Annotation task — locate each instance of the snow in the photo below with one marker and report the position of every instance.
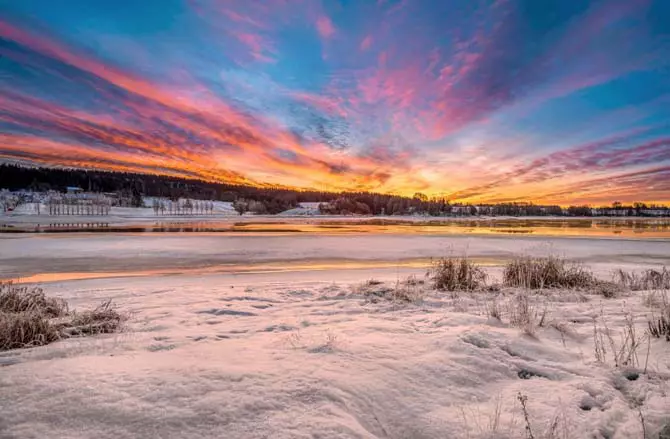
(262, 356)
(269, 336)
(304, 209)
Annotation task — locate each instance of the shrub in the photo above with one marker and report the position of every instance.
(546, 272)
(457, 274)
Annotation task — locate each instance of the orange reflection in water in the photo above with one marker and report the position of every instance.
(269, 267)
(613, 228)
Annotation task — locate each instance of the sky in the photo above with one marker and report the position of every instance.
(551, 101)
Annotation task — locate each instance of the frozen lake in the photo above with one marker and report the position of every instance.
(312, 247)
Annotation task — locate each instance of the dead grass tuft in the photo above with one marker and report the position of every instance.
(659, 321)
(647, 280)
(659, 327)
(624, 352)
(104, 319)
(408, 290)
(20, 299)
(457, 274)
(546, 272)
(30, 318)
(26, 329)
(526, 315)
(608, 290)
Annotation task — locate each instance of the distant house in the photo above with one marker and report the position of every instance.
(463, 210)
(74, 190)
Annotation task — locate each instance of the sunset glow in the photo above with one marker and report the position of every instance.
(478, 101)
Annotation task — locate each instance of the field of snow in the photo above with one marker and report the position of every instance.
(34, 213)
(274, 336)
(274, 355)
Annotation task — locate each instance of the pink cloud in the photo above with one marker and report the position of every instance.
(257, 44)
(324, 103)
(365, 44)
(325, 27)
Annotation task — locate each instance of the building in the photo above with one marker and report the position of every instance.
(72, 190)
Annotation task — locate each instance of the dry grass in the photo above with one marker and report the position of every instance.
(104, 319)
(526, 315)
(547, 272)
(659, 322)
(19, 299)
(659, 327)
(622, 353)
(608, 290)
(457, 274)
(647, 280)
(26, 329)
(493, 309)
(29, 318)
(409, 290)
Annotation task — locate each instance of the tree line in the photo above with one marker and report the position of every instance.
(276, 199)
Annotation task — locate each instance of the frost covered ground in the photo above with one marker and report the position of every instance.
(284, 337)
(273, 356)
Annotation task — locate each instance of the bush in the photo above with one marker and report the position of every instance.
(547, 272)
(30, 318)
(457, 274)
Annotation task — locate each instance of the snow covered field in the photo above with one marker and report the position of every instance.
(274, 337)
(275, 356)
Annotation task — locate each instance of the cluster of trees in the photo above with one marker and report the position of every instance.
(58, 205)
(375, 204)
(183, 207)
(379, 204)
(270, 206)
(519, 209)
